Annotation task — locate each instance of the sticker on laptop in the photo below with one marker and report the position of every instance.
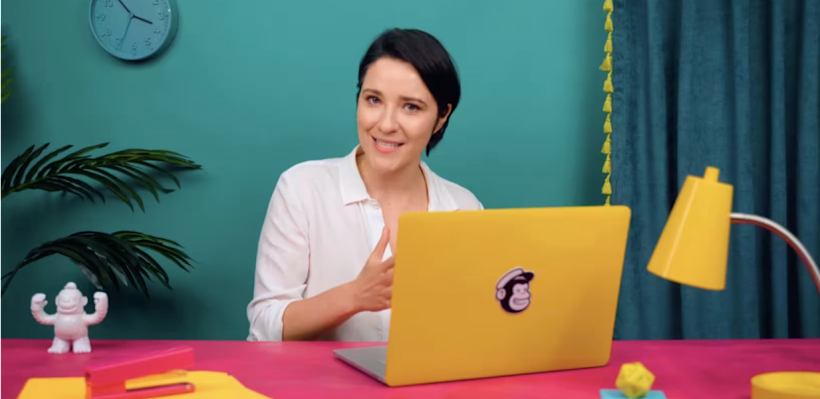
(513, 290)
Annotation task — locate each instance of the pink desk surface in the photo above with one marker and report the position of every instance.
(683, 369)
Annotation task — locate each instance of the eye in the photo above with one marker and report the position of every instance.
(372, 100)
(412, 107)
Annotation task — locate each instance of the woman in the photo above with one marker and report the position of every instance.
(325, 267)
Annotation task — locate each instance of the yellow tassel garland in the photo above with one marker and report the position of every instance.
(609, 88)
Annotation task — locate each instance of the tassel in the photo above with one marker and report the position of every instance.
(608, 5)
(608, 103)
(607, 64)
(608, 45)
(607, 125)
(608, 83)
(607, 148)
(607, 166)
(607, 189)
(608, 25)
(607, 200)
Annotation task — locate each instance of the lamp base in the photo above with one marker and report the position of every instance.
(786, 385)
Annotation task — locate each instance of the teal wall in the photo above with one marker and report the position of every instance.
(1, 210)
(277, 87)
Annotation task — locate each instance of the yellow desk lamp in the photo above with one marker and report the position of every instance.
(694, 248)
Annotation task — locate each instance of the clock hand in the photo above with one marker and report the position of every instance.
(126, 32)
(123, 6)
(143, 19)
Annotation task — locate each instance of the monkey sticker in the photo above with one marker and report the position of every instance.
(513, 290)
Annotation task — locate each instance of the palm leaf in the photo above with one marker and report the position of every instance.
(111, 260)
(7, 77)
(72, 173)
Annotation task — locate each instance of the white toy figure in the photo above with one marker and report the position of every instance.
(70, 322)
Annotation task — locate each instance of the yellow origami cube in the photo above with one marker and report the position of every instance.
(635, 380)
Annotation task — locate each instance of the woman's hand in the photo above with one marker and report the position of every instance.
(371, 291)
(373, 288)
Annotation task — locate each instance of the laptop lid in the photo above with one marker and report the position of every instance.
(504, 291)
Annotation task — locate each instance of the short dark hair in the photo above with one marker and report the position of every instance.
(429, 57)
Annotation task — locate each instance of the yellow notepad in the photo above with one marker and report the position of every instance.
(208, 385)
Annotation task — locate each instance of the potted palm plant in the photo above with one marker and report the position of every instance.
(107, 259)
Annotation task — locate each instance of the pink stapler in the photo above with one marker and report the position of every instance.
(151, 373)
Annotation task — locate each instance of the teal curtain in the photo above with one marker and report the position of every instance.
(730, 84)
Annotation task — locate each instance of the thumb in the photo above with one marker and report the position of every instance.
(382, 245)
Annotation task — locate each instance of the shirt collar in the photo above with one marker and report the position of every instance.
(353, 188)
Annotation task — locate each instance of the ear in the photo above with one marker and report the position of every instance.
(85, 300)
(500, 294)
(443, 118)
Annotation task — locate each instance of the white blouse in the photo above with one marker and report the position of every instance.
(320, 228)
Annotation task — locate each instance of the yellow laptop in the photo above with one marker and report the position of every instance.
(500, 292)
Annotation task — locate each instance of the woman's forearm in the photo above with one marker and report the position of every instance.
(306, 319)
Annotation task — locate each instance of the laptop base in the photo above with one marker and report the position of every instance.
(371, 360)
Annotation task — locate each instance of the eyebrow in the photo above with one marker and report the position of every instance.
(411, 99)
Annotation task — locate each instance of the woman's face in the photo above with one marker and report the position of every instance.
(396, 115)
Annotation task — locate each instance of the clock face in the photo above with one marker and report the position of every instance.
(133, 29)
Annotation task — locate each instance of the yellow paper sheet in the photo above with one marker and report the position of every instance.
(208, 385)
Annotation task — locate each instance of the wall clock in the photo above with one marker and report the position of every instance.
(133, 29)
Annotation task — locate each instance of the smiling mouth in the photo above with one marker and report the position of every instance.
(386, 146)
(520, 301)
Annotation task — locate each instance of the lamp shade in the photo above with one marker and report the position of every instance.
(694, 246)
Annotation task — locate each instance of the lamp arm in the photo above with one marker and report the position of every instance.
(786, 235)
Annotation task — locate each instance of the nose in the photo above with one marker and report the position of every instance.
(387, 122)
